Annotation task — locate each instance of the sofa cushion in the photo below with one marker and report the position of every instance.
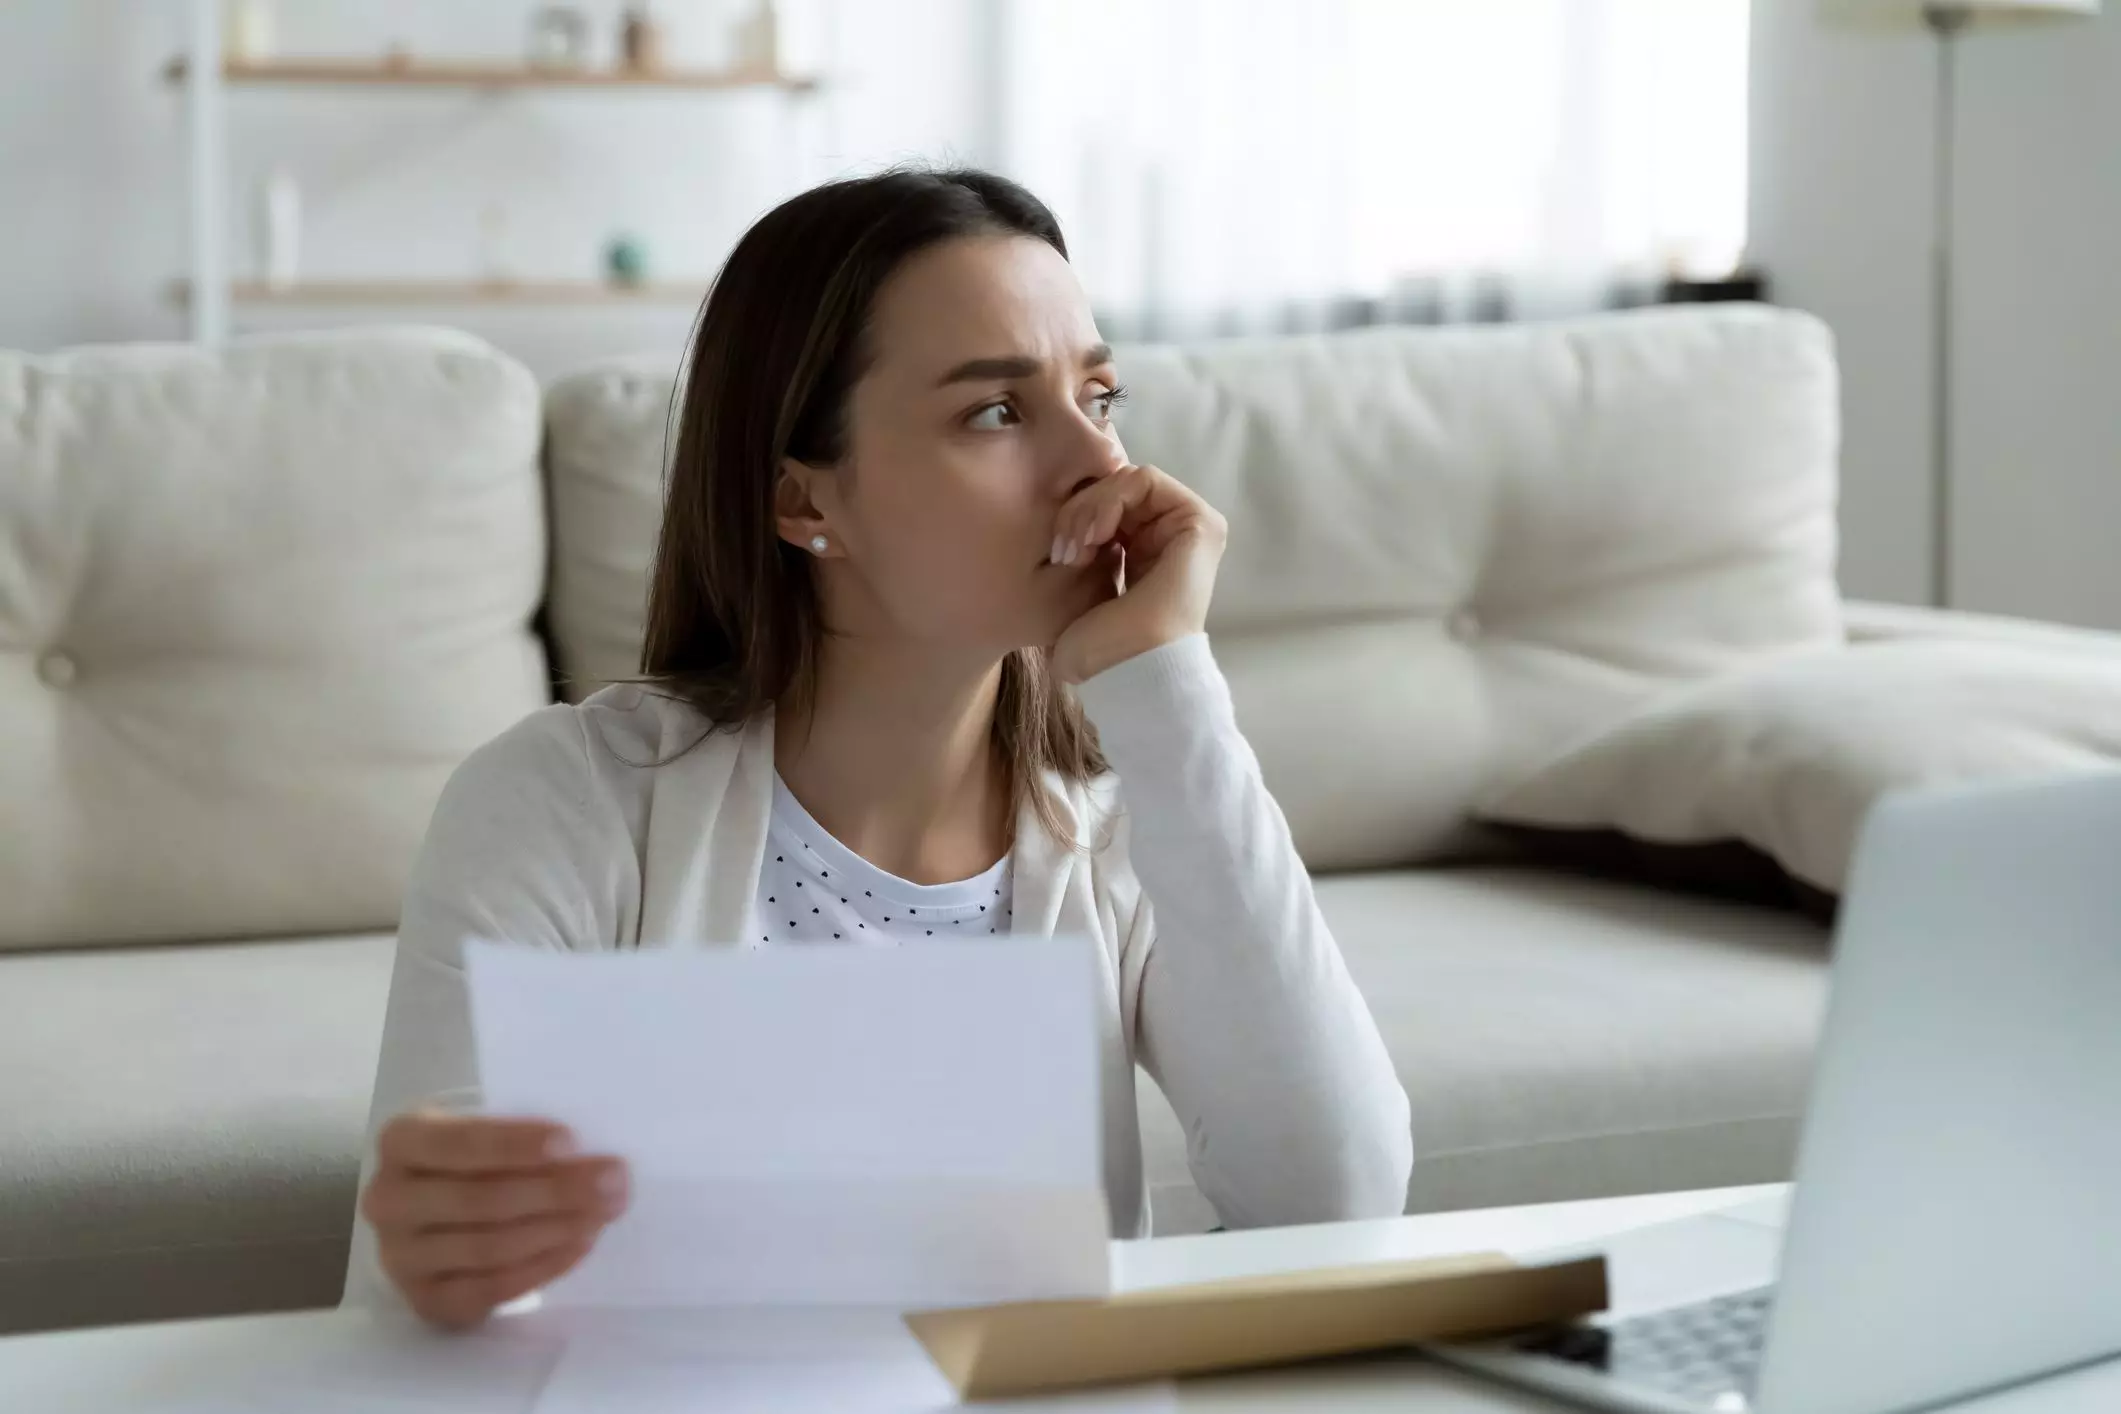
(605, 450)
(182, 1126)
(1565, 1038)
(254, 606)
(1559, 1037)
(1451, 550)
(1789, 756)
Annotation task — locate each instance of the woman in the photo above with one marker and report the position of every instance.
(899, 527)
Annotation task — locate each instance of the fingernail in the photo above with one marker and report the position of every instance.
(561, 1146)
(611, 1186)
(1059, 545)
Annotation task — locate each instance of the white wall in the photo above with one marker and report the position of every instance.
(1841, 207)
(93, 220)
(2037, 396)
(1840, 220)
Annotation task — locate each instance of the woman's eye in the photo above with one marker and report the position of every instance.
(992, 418)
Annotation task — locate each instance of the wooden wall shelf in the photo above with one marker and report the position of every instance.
(453, 73)
(383, 293)
(207, 77)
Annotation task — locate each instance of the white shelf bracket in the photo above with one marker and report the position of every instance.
(206, 122)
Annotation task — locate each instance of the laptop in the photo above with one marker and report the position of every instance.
(1956, 1222)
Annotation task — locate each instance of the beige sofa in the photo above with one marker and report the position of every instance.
(254, 605)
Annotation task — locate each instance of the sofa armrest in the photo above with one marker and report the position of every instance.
(1871, 622)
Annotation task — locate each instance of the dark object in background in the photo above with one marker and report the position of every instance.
(1730, 870)
(1740, 284)
(626, 260)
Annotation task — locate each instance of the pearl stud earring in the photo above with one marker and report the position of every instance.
(819, 544)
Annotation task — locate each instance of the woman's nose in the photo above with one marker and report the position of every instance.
(1092, 459)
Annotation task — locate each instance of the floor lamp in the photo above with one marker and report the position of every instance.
(1949, 21)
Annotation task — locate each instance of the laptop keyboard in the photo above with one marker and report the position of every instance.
(1708, 1352)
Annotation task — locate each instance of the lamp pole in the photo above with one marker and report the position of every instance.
(1947, 22)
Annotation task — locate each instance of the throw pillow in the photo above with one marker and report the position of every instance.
(1789, 756)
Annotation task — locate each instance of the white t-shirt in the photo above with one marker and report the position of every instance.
(813, 889)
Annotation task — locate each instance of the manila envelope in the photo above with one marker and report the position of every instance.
(992, 1352)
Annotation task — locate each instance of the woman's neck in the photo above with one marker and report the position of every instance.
(895, 757)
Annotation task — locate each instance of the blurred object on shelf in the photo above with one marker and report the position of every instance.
(559, 38)
(280, 228)
(640, 40)
(247, 30)
(626, 260)
(758, 45)
(398, 55)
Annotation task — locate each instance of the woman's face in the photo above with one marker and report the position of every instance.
(986, 403)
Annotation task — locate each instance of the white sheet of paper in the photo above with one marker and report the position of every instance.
(905, 1127)
(790, 1362)
(352, 1363)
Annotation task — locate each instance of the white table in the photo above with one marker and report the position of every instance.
(1663, 1248)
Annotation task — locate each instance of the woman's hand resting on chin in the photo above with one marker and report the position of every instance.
(1162, 544)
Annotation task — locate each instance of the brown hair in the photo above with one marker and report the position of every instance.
(734, 622)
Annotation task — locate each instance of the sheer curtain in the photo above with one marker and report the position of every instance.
(1234, 165)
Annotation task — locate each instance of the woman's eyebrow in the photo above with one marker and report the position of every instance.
(982, 370)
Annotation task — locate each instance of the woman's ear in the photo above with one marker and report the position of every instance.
(798, 516)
